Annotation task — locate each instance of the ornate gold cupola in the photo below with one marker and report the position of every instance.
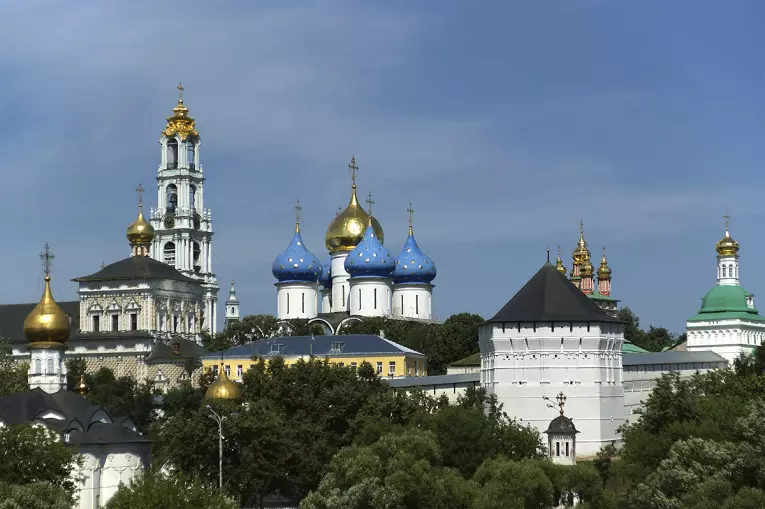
(559, 264)
(604, 276)
(140, 233)
(180, 122)
(726, 246)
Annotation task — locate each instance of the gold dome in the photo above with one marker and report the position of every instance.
(81, 388)
(140, 232)
(223, 388)
(559, 264)
(726, 246)
(347, 228)
(180, 122)
(604, 271)
(586, 268)
(47, 326)
(581, 254)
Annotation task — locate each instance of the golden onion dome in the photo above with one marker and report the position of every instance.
(726, 246)
(180, 123)
(347, 228)
(604, 271)
(586, 268)
(581, 254)
(559, 264)
(47, 326)
(140, 232)
(81, 388)
(222, 387)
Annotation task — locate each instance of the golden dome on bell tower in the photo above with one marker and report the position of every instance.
(47, 326)
(581, 254)
(180, 122)
(559, 264)
(604, 271)
(347, 228)
(726, 246)
(140, 233)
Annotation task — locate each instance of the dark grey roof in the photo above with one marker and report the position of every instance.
(550, 297)
(136, 267)
(561, 424)
(165, 351)
(82, 420)
(12, 319)
(671, 357)
(123, 334)
(428, 381)
(318, 346)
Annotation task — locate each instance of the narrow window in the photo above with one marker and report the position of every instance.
(379, 368)
(133, 321)
(359, 298)
(571, 326)
(239, 371)
(115, 323)
(402, 304)
(175, 323)
(416, 304)
(392, 368)
(503, 327)
(288, 303)
(588, 326)
(38, 367)
(375, 292)
(557, 448)
(725, 271)
(566, 448)
(215, 369)
(302, 302)
(343, 295)
(96, 325)
(49, 369)
(228, 370)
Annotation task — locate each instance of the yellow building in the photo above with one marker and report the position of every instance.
(389, 359)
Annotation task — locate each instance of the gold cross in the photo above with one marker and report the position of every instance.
(354, 168)
(558, 250)
(726, 216)
(47, 259)
(561, 398)
(298, 209)
(411, 212)
(370, 202)
(180, 92)
(140, 191)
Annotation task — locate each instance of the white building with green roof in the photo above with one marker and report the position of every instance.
(728, 322)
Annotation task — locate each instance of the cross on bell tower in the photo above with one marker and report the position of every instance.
(140, 191)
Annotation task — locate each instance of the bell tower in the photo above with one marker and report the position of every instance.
(183, 227)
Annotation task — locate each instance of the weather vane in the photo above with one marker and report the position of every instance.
(354, 168)
(47, 259)
(560, 401)
(370, 202)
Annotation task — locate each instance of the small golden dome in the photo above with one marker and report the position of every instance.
(604, 271)
(581, 254)
(81, 388)
(586, 268)
(559, 264)
(140, 232)
(726, 246)
(222, 387)
(47, 326)
(180, 122)
(347, 228)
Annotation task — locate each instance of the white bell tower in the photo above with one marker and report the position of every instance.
(232, 306)
(183, 227)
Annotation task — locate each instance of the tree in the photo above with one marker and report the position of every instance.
(154, 490)
(32, 454)
(13, 375)
(655, 339)
(40, 495)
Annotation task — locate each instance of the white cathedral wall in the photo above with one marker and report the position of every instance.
(297, 300)
(584, 362)
(47, 369)
(104, 468)
(326, 300)
(370, 296)
(340, 285)
(412, 301)
(727, 338)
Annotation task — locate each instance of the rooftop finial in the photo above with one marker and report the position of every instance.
(370, 202)
(548, 254)
(140, 191)
(581, 228)
(558, 250)
(339, 209)
(298, 209)
(354, 168)
(726, 216)
(560, 401)
(47, 260)
(411, 213)
(180, 92)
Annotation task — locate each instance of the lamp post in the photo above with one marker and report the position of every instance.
(217, 418)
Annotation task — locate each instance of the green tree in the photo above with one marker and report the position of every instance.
(34, 454)
(37, 495)
(155, 490)
(13, 375)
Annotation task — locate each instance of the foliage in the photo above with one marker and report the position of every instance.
(154, 489)
(655, 339)
(13, 375)
(32, 454)
(40, 495)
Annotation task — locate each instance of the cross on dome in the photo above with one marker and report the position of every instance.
(726, 216)
(354, 168)
(560, 401)
(47, 260)
(370, 202)
(180, 92)
(411, 213)
(298, 210)
(140, 191)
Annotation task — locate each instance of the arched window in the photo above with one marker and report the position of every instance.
(725, 271)
(190, 154)
(172, 153)
(38, 367)
(172, 198)
(193, 197)
(49, 367)
(168, 253)
(197, 252)
(232, 310)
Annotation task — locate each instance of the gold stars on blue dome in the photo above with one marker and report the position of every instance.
(369, 258)
(296, 263)
(412, 265)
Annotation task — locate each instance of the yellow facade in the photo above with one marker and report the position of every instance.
(386, 365)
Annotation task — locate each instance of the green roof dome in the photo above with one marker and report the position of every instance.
(725, 298)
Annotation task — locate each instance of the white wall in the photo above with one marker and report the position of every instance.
(370, 296)
(412, 301)
(727, 338)
(340, 285)
(296, 300)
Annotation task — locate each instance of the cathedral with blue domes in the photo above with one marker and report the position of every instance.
(361, 277)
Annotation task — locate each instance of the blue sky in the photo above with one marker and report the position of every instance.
(503, 122)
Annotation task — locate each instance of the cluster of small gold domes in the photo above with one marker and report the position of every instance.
(582, 259)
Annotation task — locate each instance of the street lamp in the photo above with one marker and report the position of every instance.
(217, 418)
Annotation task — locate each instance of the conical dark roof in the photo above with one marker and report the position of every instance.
(550, 297)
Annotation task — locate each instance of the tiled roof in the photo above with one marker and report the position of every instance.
(136, 267)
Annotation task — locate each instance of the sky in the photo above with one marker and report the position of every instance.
(504, 123)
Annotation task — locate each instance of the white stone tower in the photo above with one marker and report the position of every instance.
(550, 337)
(232, 306)
(183, 227)
(345, 231)
(47, 329)
(412, 280)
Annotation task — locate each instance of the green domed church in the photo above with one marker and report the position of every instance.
(728, 322)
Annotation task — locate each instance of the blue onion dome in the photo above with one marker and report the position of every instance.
(326, 275)
(296, 263)
(412, 265)
(369, 258)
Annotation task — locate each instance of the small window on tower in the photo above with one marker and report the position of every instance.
(96, 324)
(172, 153)
(133, 321)
(175, 323)
(115, 322)
(168, 254)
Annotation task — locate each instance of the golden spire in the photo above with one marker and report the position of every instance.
(347, 228)
(559, 264)
(47, 326)
(298, 209)
(411, 213)
(140, 233)
(726, 246)
(604, 272)
(81, 388)
(180, 122)
(581, 254)
(223, 388)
